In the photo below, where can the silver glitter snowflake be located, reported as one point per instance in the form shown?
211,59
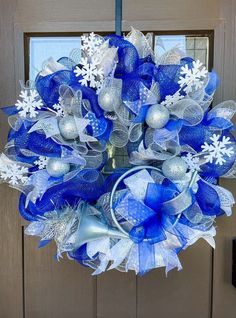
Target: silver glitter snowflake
192,162
92,74
217,149
91,43
29,104
41,162
192,77
11,172
171,100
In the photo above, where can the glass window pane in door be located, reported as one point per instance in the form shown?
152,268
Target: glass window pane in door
41,48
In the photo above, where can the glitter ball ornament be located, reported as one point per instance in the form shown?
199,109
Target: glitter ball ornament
57,168
109,99
174,168
157,116
68,128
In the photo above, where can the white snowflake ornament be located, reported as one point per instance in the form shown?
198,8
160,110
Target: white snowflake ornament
91,43
192,162
29,104
59,110
217,149
192,77
92,74
41,162
171,100
12,172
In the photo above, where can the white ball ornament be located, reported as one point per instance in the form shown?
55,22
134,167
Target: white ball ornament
157,116
68,128
174,168
109,99
57,168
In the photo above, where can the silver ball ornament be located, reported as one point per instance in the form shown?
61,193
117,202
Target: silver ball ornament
157,116
109,98
174,168
57,168
68,128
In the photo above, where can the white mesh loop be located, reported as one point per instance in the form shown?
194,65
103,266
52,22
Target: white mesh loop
135,132
119,136
188,110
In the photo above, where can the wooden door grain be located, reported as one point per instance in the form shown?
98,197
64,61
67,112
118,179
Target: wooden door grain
184,294
56,289
11,293
224,294
116,295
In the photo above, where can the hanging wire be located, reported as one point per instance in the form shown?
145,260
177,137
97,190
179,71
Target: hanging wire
118,17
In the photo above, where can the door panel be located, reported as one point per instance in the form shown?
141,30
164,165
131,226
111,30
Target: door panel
182,294
224,293
11,292
67,289
116,295
10,226
56,289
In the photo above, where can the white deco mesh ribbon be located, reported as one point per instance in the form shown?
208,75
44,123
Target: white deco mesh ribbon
231,173
70,100
94,159
119,136
106,57
50,66
226,110
226,198
138,183
151,154
15,122
49,125
188,110
172,56
135,132
142,43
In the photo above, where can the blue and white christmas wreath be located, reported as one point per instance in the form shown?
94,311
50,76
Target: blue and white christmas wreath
119,94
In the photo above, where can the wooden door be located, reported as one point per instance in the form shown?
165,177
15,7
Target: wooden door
32,283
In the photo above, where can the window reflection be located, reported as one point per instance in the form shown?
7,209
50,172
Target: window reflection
196,47
41,48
